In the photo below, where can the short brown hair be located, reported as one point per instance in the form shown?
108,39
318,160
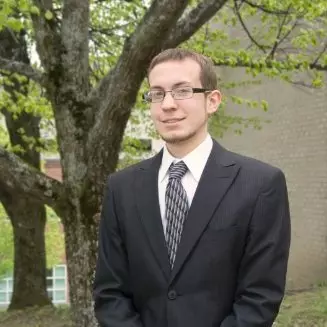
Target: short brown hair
208,75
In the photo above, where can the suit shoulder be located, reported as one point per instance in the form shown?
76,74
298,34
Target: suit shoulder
255,166
260,175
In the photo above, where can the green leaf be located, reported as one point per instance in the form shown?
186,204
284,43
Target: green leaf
318,81
35,10
264,105
48,15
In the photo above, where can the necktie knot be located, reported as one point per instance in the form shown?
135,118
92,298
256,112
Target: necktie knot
177,170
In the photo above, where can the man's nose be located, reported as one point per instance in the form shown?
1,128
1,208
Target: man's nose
168,102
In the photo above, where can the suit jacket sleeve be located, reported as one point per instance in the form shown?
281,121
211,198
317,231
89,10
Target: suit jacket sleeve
113,303
262,274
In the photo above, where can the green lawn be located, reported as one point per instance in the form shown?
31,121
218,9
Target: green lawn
307,309
35,317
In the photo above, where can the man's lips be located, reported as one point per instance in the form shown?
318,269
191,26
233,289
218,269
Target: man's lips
172,120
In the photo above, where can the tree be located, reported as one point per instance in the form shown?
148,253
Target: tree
92,93
53,239
28,217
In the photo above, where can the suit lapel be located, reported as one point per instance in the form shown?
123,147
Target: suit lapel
146,188
216,179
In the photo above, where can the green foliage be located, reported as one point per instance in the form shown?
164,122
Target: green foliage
32,101
53,236
222,121
282,44
16,19
4,137
54,239
48,15
6,244
111,23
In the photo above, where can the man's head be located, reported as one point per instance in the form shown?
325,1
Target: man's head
181,116
208,76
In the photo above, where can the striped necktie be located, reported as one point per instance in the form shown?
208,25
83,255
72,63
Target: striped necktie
176,208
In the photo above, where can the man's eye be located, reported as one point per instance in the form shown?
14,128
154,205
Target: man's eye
156,94
181,91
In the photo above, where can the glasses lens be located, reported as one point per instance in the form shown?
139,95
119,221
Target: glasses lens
183,93
156,95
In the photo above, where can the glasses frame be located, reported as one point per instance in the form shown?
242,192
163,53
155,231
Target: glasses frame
146,95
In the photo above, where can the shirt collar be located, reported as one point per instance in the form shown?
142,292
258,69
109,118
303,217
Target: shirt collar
195,160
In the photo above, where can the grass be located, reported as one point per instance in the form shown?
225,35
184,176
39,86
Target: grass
305,309
37,317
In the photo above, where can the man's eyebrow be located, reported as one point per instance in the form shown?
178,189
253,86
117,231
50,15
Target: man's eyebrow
174,85
181,84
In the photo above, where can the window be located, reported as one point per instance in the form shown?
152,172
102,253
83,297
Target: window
5,291
56,286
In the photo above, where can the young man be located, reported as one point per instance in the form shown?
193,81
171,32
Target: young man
196,236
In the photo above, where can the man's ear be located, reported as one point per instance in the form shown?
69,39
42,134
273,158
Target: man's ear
213,101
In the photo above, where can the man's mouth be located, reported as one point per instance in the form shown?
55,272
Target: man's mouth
172,121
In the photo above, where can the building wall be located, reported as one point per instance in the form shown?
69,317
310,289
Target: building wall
53,169
296,141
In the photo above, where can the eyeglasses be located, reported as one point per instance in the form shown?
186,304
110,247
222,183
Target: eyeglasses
179,93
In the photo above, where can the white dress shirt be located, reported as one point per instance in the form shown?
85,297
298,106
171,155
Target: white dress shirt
195,162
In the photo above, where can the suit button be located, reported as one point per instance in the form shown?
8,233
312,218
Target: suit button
172,295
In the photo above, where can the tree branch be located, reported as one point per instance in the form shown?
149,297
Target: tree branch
238,14
110,31
320,54
75,43
197,17
279,40
48,42
302,84
22,69
17,175
266,10
267,64
155,26
288,33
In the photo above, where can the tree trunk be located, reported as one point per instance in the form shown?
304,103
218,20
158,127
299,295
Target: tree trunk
28,219
81,250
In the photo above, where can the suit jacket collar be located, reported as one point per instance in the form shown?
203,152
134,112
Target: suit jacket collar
217,177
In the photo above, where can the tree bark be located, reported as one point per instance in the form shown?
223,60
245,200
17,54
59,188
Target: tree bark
28,220
27,216
81,251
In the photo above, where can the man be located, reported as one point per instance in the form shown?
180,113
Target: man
196,236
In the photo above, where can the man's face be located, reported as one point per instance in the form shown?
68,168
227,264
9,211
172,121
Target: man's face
181,120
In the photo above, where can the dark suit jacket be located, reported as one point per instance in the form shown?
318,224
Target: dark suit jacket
231,262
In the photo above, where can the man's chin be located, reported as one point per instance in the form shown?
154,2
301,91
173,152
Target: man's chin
176,138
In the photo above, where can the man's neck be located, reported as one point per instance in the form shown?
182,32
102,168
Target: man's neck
181,149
